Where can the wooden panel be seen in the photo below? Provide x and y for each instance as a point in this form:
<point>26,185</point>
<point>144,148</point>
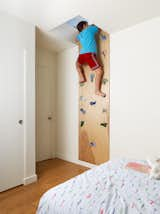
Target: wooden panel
<point>94,111</point>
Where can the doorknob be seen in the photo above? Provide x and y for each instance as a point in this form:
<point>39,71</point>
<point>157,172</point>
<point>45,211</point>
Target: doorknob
<point>49,118</point>
<point>20,122</point>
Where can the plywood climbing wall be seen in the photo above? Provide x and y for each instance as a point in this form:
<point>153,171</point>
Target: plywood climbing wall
<point>94,110</point>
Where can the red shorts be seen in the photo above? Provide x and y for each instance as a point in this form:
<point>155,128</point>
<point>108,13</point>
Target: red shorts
<point>90,59</point>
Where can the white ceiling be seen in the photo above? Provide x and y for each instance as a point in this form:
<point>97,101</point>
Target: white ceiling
<point>111,15</point>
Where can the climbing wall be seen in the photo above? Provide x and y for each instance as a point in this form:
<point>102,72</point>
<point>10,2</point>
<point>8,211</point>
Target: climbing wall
<point>94,110</point>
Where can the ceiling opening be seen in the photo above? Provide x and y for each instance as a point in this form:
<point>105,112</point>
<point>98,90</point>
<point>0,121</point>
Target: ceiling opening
<point>67,30</point>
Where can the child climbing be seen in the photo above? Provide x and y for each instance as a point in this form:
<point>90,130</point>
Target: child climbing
<point>88,54</point>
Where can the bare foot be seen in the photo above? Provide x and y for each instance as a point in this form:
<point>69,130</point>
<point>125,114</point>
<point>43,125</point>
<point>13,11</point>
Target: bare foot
<point>82,80</point>
<point>100,93</point>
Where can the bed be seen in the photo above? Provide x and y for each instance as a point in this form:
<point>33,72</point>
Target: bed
<point>106,189</point>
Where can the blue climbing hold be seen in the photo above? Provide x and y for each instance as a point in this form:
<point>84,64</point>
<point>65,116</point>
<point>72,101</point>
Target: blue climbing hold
<point>81,98</point>
<point>92,77</point>
<point>103,37</point>
<point>82,111</point>
<point>92,103</point>
<point>92,144</point>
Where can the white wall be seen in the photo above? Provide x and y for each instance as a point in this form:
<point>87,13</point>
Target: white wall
<point>46,59</point>
<point>135,91</point>
<point>67,105</point>
<point>135,95</point>
<point>25,34</point>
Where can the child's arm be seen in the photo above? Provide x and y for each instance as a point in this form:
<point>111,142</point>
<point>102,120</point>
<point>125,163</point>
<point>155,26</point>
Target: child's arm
<point>77,42</point>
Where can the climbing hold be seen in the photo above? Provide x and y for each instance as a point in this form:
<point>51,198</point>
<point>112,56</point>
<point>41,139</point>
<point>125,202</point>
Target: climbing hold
<point>104,110</point>
<point>81,123</point>
<point>103,37</point>
<point>93,144</point>
<point>92,77</point>
<point>104,124</point>
<point>82,111</point>
<point>81,84</point>
<point>81,98</point>
<point>104,81</point>
<point>92,103</point>
<point>103,53</point>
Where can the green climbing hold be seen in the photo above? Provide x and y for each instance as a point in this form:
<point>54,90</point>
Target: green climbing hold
<point>81,123</point>
<point>81,84</point>
<point>104,81</point>
<point>104,110</point>
<point>104,124</point>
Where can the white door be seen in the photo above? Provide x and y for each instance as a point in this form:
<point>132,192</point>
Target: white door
<point>45,108</point>
<point>11,113</point>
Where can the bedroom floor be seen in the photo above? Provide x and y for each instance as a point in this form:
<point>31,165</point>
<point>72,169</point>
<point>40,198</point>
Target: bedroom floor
<point>24,199</point>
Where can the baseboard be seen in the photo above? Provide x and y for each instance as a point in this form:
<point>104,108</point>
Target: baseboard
<point>86,164</point>
<point>53,155</point>
<point>29,180</point>
<point>46,158</point>
<point>79,162</point>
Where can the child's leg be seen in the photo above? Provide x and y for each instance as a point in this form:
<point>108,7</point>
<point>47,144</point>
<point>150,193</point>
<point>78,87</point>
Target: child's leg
<point>80,72</point>
<point>98,82</point>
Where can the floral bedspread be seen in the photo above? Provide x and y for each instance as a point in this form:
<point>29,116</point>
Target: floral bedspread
<point>106,189</point>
